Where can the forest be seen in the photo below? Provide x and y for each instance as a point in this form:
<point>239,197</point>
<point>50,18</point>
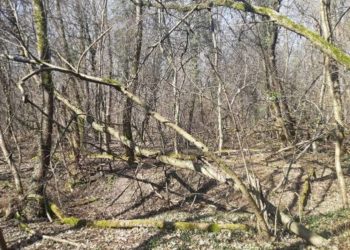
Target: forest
<point>174,124</point>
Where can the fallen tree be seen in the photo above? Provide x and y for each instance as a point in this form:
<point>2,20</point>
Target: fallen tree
<point>223,173</point>
<point>208,170</point>
<point>149,223</point>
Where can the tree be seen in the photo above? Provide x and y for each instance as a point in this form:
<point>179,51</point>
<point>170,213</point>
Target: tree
<point>268,42</point>
<point>198,63</point>
<point>331,77</point>
<point>36,191</point>
<point>134,76</point>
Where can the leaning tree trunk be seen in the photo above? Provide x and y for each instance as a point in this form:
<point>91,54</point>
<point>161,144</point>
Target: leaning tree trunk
<point>35,206</point>
<point>331,76</point>
<point>134,74</point>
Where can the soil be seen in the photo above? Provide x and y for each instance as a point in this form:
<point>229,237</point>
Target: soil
<point>112,190</point>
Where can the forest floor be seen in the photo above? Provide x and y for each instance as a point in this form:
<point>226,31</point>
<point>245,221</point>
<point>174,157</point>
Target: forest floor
<point>112,190</point>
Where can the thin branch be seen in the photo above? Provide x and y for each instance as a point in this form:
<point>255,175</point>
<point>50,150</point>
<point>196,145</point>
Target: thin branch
<point>161,40</point>
<point>89,47</point>
<point>340,18</point>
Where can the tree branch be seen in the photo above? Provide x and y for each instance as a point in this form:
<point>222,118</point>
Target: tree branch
<point>336,53</point>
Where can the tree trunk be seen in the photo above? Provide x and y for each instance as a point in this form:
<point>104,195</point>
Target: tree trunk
<point>134,75</point>
<point>331,76</point>
<point>213,30</point>
<point>77,136</point>
<point>171,60</point>
<point>268,42</point>
<point>36,207</point>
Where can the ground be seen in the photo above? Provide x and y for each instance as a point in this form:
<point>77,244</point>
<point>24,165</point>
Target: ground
<point>112,190</point>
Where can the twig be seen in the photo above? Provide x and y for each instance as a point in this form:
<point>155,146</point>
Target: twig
<point>161,40</point>
<point>69,242</point>
<point>113,201</point>
<point>33,232</point>
<point>89,47</point>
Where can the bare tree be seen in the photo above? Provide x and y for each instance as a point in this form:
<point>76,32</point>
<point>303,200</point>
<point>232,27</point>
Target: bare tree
<point>331,76</point>
<point>134,77</point>
<point>268,42</point>
<point>36,205</point>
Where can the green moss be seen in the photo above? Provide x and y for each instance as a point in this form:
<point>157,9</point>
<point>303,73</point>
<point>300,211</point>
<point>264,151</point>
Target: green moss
<point>274,96</point>
<point>73,221</point>
<point>328,48</point>
<point>56,211</point>
<point>214,228</point>
<point>182,156</point>
<point>41,29</point>
<point>151,223</point>
<point>103,224</point>
<point>113,82</point>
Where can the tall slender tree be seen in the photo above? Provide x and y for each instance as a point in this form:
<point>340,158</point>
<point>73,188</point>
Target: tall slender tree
<point>36,191</point>
<point>331,77</point>
<point>134,78</point>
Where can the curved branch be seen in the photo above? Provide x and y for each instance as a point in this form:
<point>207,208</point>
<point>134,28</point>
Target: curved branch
<point>333,51</point>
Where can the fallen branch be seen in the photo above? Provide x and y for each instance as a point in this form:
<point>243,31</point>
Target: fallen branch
<point>224,172</point>
<point>297,228</point>
<point>181,161</point>
<point>210,172</point>
<point>148,223</point>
